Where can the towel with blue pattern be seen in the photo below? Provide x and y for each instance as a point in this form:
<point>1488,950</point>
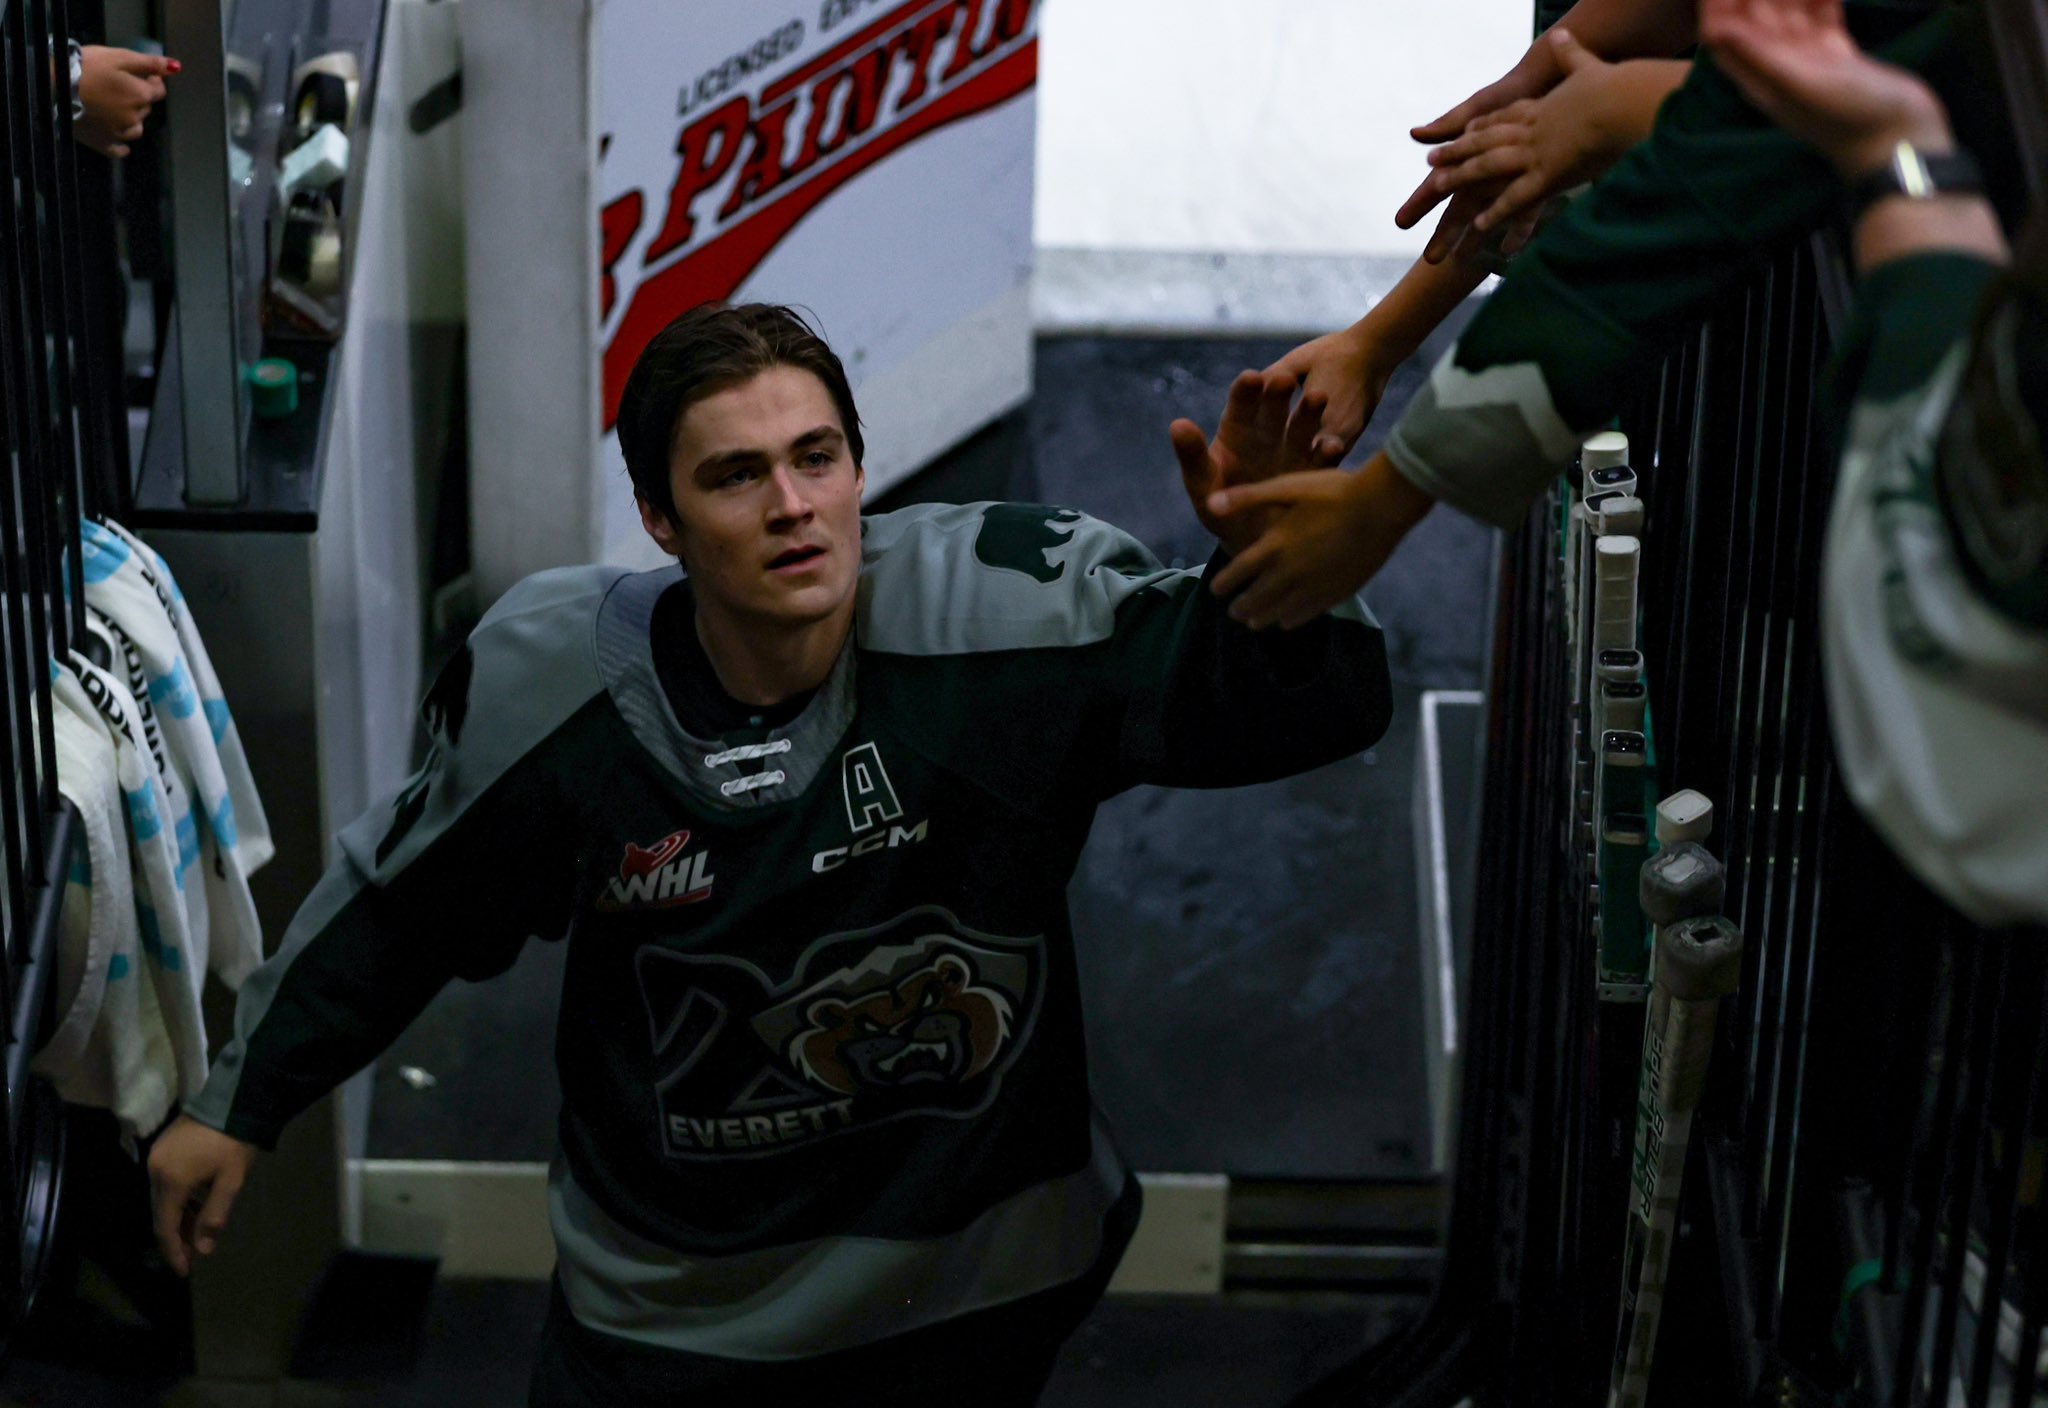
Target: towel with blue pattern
<point>215,816</point>
<point>108,1047</point>
<point>162,948</point>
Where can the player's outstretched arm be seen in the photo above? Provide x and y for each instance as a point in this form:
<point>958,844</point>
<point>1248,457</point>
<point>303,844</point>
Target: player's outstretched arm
<point>446,878</point>
<point>1302,537</point>
<point>195,1175</point>
<point>1185,697</point>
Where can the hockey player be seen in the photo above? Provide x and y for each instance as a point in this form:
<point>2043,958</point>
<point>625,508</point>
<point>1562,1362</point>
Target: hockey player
<point>805,817</point>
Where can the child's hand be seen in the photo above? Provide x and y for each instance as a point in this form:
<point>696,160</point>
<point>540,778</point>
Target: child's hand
<point>1530,78</point>
<point>1328,534</point>
<point>117,88</point>
<point>1346,369</point>
<point>1519,156</point>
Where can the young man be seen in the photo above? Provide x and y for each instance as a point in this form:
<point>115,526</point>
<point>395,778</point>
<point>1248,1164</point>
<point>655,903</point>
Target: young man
<point>806,818</point>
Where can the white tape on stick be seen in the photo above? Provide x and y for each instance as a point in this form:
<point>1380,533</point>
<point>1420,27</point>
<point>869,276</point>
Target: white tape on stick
<point>1615,564</point>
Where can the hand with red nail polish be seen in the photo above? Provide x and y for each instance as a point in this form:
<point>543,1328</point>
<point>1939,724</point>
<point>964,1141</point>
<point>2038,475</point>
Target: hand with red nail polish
<point>117,88</point>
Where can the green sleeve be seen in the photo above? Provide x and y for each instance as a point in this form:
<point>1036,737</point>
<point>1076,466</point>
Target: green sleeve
<point>1902,389</point>
<point>1909,316</point>
<point>1196,700</point>
<point>1585,315</point>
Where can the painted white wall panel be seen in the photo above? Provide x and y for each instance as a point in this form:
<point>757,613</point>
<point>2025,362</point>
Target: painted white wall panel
<point>1228,125</point>
<point>868,159</point>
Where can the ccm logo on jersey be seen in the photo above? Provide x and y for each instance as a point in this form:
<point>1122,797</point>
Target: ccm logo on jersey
<point>659,876</point>
<point>871,804</point>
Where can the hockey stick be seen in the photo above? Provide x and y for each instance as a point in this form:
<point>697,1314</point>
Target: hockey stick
<point>1623,835</point>
<point>1600,455</point>
<point>1699,962</point>
<point>1623,705</point>
<point>1614,559</point>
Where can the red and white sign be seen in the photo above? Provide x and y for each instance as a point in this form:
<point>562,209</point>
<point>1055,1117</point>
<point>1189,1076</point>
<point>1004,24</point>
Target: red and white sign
<point>867,160</point>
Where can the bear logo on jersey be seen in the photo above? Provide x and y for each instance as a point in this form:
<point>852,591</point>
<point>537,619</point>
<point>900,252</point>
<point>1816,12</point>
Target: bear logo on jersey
<point>919,1016</point>
<point>937,1026</point>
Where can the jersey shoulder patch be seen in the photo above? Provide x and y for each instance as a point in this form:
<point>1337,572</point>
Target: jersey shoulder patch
<point>952,579</point>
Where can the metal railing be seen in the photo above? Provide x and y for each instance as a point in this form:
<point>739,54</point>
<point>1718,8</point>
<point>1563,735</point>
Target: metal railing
<point>1865,1202</point>
<point>57,407</point>
<point>1865,1213</point>
<point>1874,1104</point>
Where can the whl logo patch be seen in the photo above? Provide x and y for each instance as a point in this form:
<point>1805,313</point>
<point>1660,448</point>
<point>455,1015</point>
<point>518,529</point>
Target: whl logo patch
<point>660,876</point>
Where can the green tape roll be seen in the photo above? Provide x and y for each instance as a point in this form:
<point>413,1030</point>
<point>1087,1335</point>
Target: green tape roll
<point>274,388</point>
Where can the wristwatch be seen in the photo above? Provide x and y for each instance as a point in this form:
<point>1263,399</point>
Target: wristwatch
<point>1917,175</point>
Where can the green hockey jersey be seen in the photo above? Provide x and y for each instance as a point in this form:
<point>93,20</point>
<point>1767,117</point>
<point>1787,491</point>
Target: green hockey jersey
<point>820,1038</point>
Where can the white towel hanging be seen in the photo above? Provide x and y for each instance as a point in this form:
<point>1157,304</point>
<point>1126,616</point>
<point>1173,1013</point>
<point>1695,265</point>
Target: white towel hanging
<point>109,1048</point>
<point>168,954</point>
<point>221,829</point>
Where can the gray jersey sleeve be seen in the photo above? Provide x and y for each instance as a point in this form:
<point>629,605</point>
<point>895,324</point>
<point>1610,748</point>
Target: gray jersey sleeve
<point>446,878</point>
<point>1133,672</point>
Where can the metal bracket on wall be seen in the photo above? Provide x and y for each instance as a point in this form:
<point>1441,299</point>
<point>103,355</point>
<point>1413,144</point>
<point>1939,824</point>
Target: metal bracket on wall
<point>212,399</point>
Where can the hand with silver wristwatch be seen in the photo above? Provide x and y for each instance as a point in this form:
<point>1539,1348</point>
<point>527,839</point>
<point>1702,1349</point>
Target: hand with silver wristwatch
<point>1910,187</point>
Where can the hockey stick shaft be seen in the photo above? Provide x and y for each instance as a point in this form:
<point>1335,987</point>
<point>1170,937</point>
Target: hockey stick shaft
<point>1699,962</point>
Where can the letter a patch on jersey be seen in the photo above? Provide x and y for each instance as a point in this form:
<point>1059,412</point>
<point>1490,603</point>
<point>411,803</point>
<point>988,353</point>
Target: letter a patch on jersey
<point>870,796</point>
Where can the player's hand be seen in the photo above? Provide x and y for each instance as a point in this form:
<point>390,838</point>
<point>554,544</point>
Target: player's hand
<point>1346,370</point>
<point>1263,433</point>
<point>195,1174</point>
<point>1327,533</point>
<point>117,88</point>
<point>1795,61</point>
<point>1519,157</point>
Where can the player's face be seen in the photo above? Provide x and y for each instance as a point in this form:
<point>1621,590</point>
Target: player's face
<point>767,500</point>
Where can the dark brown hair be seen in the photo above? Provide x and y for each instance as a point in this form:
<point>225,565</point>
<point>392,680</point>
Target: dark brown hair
<point>709,349</point>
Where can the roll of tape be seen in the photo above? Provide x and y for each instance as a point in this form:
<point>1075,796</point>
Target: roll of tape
<point>324,91</point>
<point>309,250</point>
<point>323,264</point>
<point>273,388</point>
